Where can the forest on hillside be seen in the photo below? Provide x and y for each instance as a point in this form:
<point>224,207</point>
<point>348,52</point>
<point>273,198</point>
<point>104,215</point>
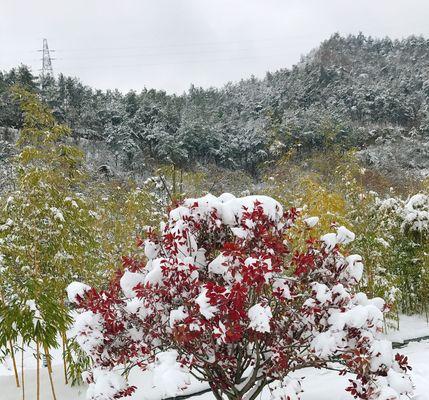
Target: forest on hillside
<point>354,92</point>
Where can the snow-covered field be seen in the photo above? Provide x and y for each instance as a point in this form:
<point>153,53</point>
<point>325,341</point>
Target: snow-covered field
<point>317,385</point>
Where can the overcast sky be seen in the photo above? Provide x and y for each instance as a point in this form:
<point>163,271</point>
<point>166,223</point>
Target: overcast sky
<point>169,44</point>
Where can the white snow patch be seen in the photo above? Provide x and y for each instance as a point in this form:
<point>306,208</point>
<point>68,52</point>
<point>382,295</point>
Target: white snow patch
<point>76,289</point>
<point>311,221</point>
<point>129,281</point>
<point>260,318</point>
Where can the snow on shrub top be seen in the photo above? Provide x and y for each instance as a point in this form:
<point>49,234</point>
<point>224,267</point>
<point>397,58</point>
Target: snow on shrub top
<point>415,214</point>
<point>76,290</point>
<point>311,221</point>
<point>230,286</point>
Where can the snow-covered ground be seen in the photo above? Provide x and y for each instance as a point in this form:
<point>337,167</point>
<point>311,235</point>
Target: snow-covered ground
<point>317,385</point>
<point>409,327</point>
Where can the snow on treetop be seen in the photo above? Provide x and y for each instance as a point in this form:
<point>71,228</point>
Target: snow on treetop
<point>228,207</point>
<point>75,289</point>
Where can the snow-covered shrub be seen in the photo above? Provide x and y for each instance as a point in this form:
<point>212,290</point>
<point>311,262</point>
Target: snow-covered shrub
<point>403,228</point>
<point>229,287</point>
<point>415,214</point>
<point>412,215</point>
<point>388,211</point>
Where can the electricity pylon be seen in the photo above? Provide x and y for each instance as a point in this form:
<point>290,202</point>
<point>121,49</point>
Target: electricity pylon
<point>46,61</point>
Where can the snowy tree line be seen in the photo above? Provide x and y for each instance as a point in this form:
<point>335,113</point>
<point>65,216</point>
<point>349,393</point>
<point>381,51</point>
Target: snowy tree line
<point>352,91</point>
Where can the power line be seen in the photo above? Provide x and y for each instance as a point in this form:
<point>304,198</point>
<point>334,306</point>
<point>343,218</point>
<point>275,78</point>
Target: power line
<point>187,47</point>
<point>165,45</point>
<point>158,55</point>
<point>145,55</point>
<point>216,53</point>
<point>175,45</point>
<point>199,61</point>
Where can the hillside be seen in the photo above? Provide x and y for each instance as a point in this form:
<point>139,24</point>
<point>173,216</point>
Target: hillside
<point>351,92</point>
